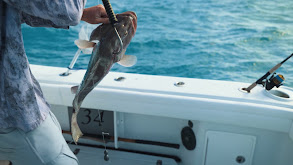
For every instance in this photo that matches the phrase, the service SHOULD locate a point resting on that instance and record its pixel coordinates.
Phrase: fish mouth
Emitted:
(134, 19)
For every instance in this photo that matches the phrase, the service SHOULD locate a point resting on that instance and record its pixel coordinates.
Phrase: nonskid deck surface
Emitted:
(4, 162)
(90, 155)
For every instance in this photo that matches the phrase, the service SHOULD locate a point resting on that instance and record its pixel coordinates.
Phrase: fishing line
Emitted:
(106, 155)
(113, 20)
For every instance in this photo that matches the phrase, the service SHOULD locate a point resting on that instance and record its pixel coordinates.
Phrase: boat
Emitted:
(136, 119)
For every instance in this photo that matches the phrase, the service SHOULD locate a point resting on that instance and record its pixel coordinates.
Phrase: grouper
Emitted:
(107, 50)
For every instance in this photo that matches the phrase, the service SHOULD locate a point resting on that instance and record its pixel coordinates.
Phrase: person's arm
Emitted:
(94, 15)
(39, 22)
(59, 12)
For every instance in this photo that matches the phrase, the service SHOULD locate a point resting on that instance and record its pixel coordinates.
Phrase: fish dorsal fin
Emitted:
(83, 44)
(128, 60)
(74, 89)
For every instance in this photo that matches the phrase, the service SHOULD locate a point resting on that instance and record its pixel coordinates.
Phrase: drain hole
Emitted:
(179, 84)
(119, 78)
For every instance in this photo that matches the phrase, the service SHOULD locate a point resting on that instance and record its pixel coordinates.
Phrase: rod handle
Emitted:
(112, 17)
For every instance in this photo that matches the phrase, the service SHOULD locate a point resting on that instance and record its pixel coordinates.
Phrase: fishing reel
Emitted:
(273, 81)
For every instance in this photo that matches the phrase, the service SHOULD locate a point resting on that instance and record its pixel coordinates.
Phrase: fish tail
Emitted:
(76, 132)
(75, 105)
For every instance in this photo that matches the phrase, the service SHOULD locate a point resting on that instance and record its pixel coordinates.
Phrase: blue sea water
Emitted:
(210, 39)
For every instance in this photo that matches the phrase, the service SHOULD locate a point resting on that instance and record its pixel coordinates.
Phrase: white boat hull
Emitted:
(230, 126)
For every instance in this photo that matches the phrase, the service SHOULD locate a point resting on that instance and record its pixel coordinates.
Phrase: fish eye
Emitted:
(125, 33)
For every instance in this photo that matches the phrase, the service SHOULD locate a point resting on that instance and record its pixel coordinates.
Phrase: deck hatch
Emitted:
(228, 148)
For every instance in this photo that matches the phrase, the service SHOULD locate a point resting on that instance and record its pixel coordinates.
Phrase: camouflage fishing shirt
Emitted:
(22, 104)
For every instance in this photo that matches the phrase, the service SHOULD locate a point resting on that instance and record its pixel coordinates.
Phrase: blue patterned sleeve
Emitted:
(39, 22)
(58, 13)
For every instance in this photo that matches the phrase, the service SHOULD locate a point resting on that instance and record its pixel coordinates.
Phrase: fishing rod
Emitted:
(113, 20)
(111, 139)
(272, 81)
(176, 158)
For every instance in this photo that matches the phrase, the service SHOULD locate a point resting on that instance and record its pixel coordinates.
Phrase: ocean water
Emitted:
(209, 39)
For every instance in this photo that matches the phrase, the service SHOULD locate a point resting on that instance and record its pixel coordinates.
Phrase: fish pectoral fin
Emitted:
(83, 44)
(128, 60)
(74, 89)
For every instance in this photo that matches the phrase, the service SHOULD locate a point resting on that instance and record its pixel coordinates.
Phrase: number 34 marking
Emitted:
(98, 118)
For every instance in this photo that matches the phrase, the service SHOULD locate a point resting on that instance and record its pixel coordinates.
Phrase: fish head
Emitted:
(109, 42)
(126, 26)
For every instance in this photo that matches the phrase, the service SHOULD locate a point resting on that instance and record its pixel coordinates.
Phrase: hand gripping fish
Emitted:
(104, 55)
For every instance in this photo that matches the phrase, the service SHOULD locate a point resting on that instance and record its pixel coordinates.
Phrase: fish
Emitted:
(106, 51)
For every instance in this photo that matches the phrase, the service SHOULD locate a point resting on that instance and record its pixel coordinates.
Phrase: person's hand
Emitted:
(95, 15)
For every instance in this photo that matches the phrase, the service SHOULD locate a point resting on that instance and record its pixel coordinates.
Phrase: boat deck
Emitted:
(4, 162)
(93, 155)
